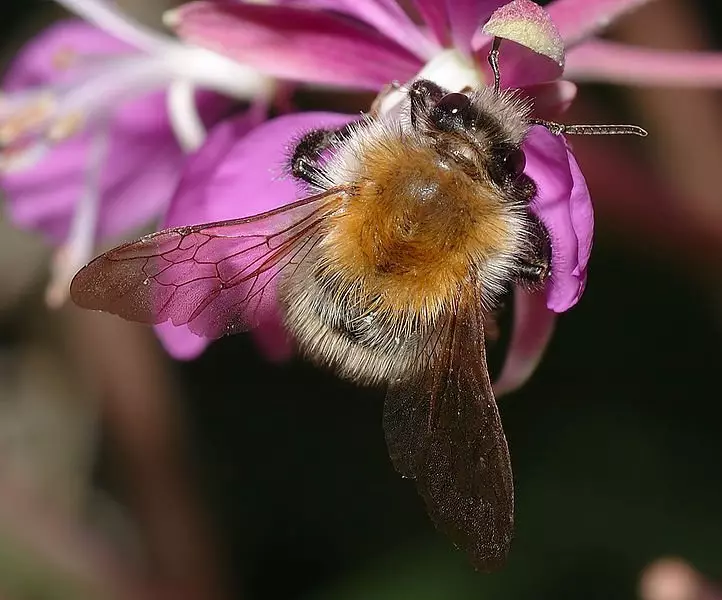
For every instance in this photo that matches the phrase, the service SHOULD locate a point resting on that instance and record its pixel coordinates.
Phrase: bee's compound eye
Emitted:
(515, 162)
(453, 103)
(449, 113)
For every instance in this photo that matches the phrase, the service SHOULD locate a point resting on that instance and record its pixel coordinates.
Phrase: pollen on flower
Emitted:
(65, 127)
(65, 58)
(528, 24)
(20, 156)
(25, 119)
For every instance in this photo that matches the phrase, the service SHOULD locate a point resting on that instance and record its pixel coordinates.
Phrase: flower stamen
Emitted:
(80, 244)
(65, 127)
(184, 118)
(65, 58)
(20, 156)
(26, 118)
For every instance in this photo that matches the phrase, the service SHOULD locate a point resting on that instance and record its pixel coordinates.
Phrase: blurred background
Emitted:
(126, 475)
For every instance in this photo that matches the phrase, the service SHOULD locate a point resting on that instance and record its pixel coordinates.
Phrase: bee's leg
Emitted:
(534, 268)
(424, 95)
(307, 163)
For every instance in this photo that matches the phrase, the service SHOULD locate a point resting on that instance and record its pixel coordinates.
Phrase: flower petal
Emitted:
(578, 20)
(106, 16)
(49, 57)
(240, 171)
(518, 65)
(296, 44)
(273, 339)
(386, 16)
(180, 343)
(551, 99)
(135, 184)
(454, 22)
(433, 12)
(532, 330)
(564, 206)
(136, 181)
(466, 17)
(632, 65)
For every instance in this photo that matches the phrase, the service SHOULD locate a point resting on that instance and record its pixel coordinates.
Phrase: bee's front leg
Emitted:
(424, 95)
(534, 269)
(307, 160)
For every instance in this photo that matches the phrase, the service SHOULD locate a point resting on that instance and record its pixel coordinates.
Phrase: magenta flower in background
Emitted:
(95, 120)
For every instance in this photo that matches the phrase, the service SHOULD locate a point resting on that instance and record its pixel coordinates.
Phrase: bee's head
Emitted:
(482, 130)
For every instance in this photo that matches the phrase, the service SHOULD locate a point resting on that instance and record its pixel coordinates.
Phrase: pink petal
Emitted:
(632, 65)
(137, 178)
(241, 169)
(386, 16)
(519, 66)
(564, 206)
(433, 12)
(41, 61)
(466, 17)
(143, 160)
(240, 172)
(455, 22)
(551, 99)
(533, 50)
(180, 343)
(578, 20)
(532, 330)
(273, 339)
(297, 44)
(113, 19)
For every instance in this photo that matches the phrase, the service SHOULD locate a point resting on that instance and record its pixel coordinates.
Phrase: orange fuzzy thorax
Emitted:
(414, 233)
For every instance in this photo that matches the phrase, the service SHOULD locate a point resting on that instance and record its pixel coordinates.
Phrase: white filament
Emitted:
(80, 245)
(449, 68)
(114, 21)
(184, 118)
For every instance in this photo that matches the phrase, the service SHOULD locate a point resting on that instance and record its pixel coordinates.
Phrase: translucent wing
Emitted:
(443, 430)
(218, 278)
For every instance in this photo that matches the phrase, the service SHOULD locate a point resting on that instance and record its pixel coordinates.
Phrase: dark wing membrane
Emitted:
(443, 430)
(218, 278)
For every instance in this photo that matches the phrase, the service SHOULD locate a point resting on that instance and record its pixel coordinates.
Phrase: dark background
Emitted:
(615, 445)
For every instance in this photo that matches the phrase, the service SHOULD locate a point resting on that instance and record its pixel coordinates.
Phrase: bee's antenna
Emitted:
(494, 63)
(560, 128)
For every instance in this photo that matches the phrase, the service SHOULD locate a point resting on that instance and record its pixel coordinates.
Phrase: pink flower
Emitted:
(303, 42)
(365, 44)
(95, 120)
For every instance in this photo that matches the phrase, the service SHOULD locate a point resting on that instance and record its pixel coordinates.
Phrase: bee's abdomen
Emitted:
(337, 330)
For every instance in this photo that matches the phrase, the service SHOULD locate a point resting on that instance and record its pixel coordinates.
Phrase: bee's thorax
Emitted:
(418, 228)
